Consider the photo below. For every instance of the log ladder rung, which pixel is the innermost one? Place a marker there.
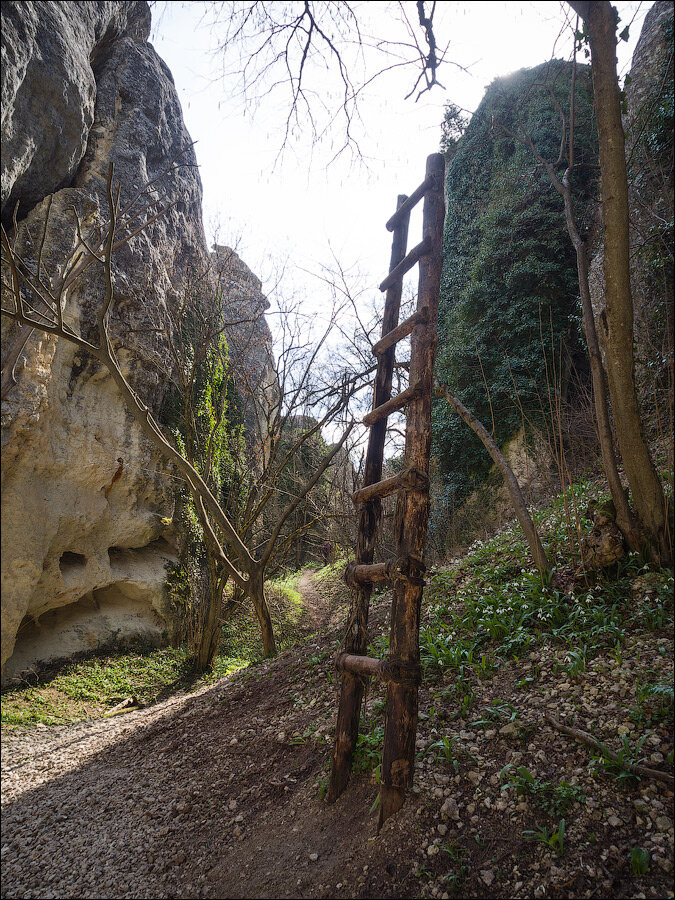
(406, 264)
(411, 202)
(357, 575)
(410, 479)
(385, 669)
(402, 331)
(393, 405)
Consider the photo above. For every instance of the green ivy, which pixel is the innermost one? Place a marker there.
(207, 431)
(509, 286)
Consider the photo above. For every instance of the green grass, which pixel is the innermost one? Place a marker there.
(555, 799)
(653, 703)
(330, 581)
(639, 861)
(628, 755)
(368, 752)
(554, 839)
(486, 607)
(444, 751)
(87, 687)
(284, 592)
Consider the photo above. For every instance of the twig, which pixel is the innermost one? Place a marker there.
(587, 738)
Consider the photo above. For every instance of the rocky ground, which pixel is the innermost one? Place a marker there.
(218, 793)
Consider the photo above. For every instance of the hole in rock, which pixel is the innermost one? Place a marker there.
(119, 614)
(70, 560)
(161, 547)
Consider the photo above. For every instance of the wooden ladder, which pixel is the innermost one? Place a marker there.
(401, 669)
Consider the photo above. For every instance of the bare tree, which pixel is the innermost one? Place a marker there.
(274, 47)
(650, 526)
(360, 343)
(288, 456)
(34, 298)
(197, 409)
(511, 482)
(600, 26)
(563, 185)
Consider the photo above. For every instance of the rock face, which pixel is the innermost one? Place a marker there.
(249, 341)
(508, 291)
(648, 124)
(85, 555)
(50, 54)
(649, 129)
(509, 277)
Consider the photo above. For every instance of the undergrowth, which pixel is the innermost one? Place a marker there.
(491, 604)
(482, 609)
(79, 689)
(330, 581)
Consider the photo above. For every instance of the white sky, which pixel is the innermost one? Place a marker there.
(301, 211)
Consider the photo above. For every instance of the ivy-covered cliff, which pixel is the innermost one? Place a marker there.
(509, 324)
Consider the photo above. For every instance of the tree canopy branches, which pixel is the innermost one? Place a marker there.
(309, 50)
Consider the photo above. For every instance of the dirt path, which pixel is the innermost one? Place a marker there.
(219, 793)
(318, 614)
(215, 794)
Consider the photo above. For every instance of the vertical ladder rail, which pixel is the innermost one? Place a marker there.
(369, 514)
(401, 669)
(412, 513)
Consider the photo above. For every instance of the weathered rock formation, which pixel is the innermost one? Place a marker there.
(51, 53)
(603, 545)
(249, 342)
(648, 124)
(85, 555)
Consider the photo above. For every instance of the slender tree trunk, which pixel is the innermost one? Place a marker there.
(207, 639)
(262, 611)
(624, 518)
(645, 485)
(510, 480)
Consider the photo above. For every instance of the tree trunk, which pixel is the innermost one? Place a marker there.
(262, 611)
(207, 638)
(645, 485)
(624, 519)
(510, 480)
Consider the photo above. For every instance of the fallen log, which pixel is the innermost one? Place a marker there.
(129, 704)
(588, 739)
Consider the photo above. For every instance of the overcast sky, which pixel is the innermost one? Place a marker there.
(303, 208)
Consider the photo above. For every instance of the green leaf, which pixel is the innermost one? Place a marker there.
(639, 861)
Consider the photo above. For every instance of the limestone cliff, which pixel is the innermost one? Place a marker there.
(249, 341)
(85, 557)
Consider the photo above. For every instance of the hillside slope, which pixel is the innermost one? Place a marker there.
(219, 793)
